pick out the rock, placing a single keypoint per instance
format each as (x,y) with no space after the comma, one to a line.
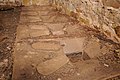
(56,28)
(74,45)
(34,18)
(22,32)
(23,19)
(46,46)
(54,64)
(44,12)
(72,29)
(41,27)
(38,30)
(58,32)
(92,49)
(117,30)
(112,3)
(29,13)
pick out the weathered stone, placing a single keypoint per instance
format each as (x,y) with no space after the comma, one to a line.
(74,45)
(46,46)
(93,49)
(43,12)
(34,18)
(22,32)
(29,13)
(38,27)
(117,30)
(56,28)
(38,30)
(54,64)
(112,3)
(23,19)
(72,29)
(37,33)
(41,2)
(47,18)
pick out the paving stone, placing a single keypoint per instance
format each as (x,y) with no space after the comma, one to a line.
(23,19)
(72,29)
(74,45)
(56,28)
(48,18)
(22,32)
(58,32)
(43,12)
(61,18)
(29,13)
(54,64)
(34,18)
(46,46)
(39,27)
(38,30)
(93,49)
(37,33)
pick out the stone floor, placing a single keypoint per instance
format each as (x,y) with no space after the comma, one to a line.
(44,38)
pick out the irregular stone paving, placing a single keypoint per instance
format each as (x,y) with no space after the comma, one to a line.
(46,55)
(43,39)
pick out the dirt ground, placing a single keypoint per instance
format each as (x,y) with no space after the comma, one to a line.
(106,66)
(8,24)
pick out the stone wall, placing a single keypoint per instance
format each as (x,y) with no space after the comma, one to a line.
(23,2)
(101,14)
(35,2)
(10,2)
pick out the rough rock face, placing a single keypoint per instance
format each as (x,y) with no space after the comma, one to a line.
(103,15)
(112,3)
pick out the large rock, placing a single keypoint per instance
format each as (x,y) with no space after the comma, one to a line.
(50,66)
(92,49)
(38,30)
(56,28)
(74,45)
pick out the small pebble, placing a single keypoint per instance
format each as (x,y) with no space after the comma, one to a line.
(78,74)
(106,65)
(59,79)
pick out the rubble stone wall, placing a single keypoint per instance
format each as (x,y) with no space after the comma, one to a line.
(101,14)
(10,3)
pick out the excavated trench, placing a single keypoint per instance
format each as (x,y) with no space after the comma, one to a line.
(37,36)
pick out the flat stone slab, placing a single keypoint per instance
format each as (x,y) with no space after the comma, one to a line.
(46,46)
(34,18)
(93,49)
(50,66)
(22,32)
(37,33)
(74,45)
(38,30)
(56,28)
(29,13)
